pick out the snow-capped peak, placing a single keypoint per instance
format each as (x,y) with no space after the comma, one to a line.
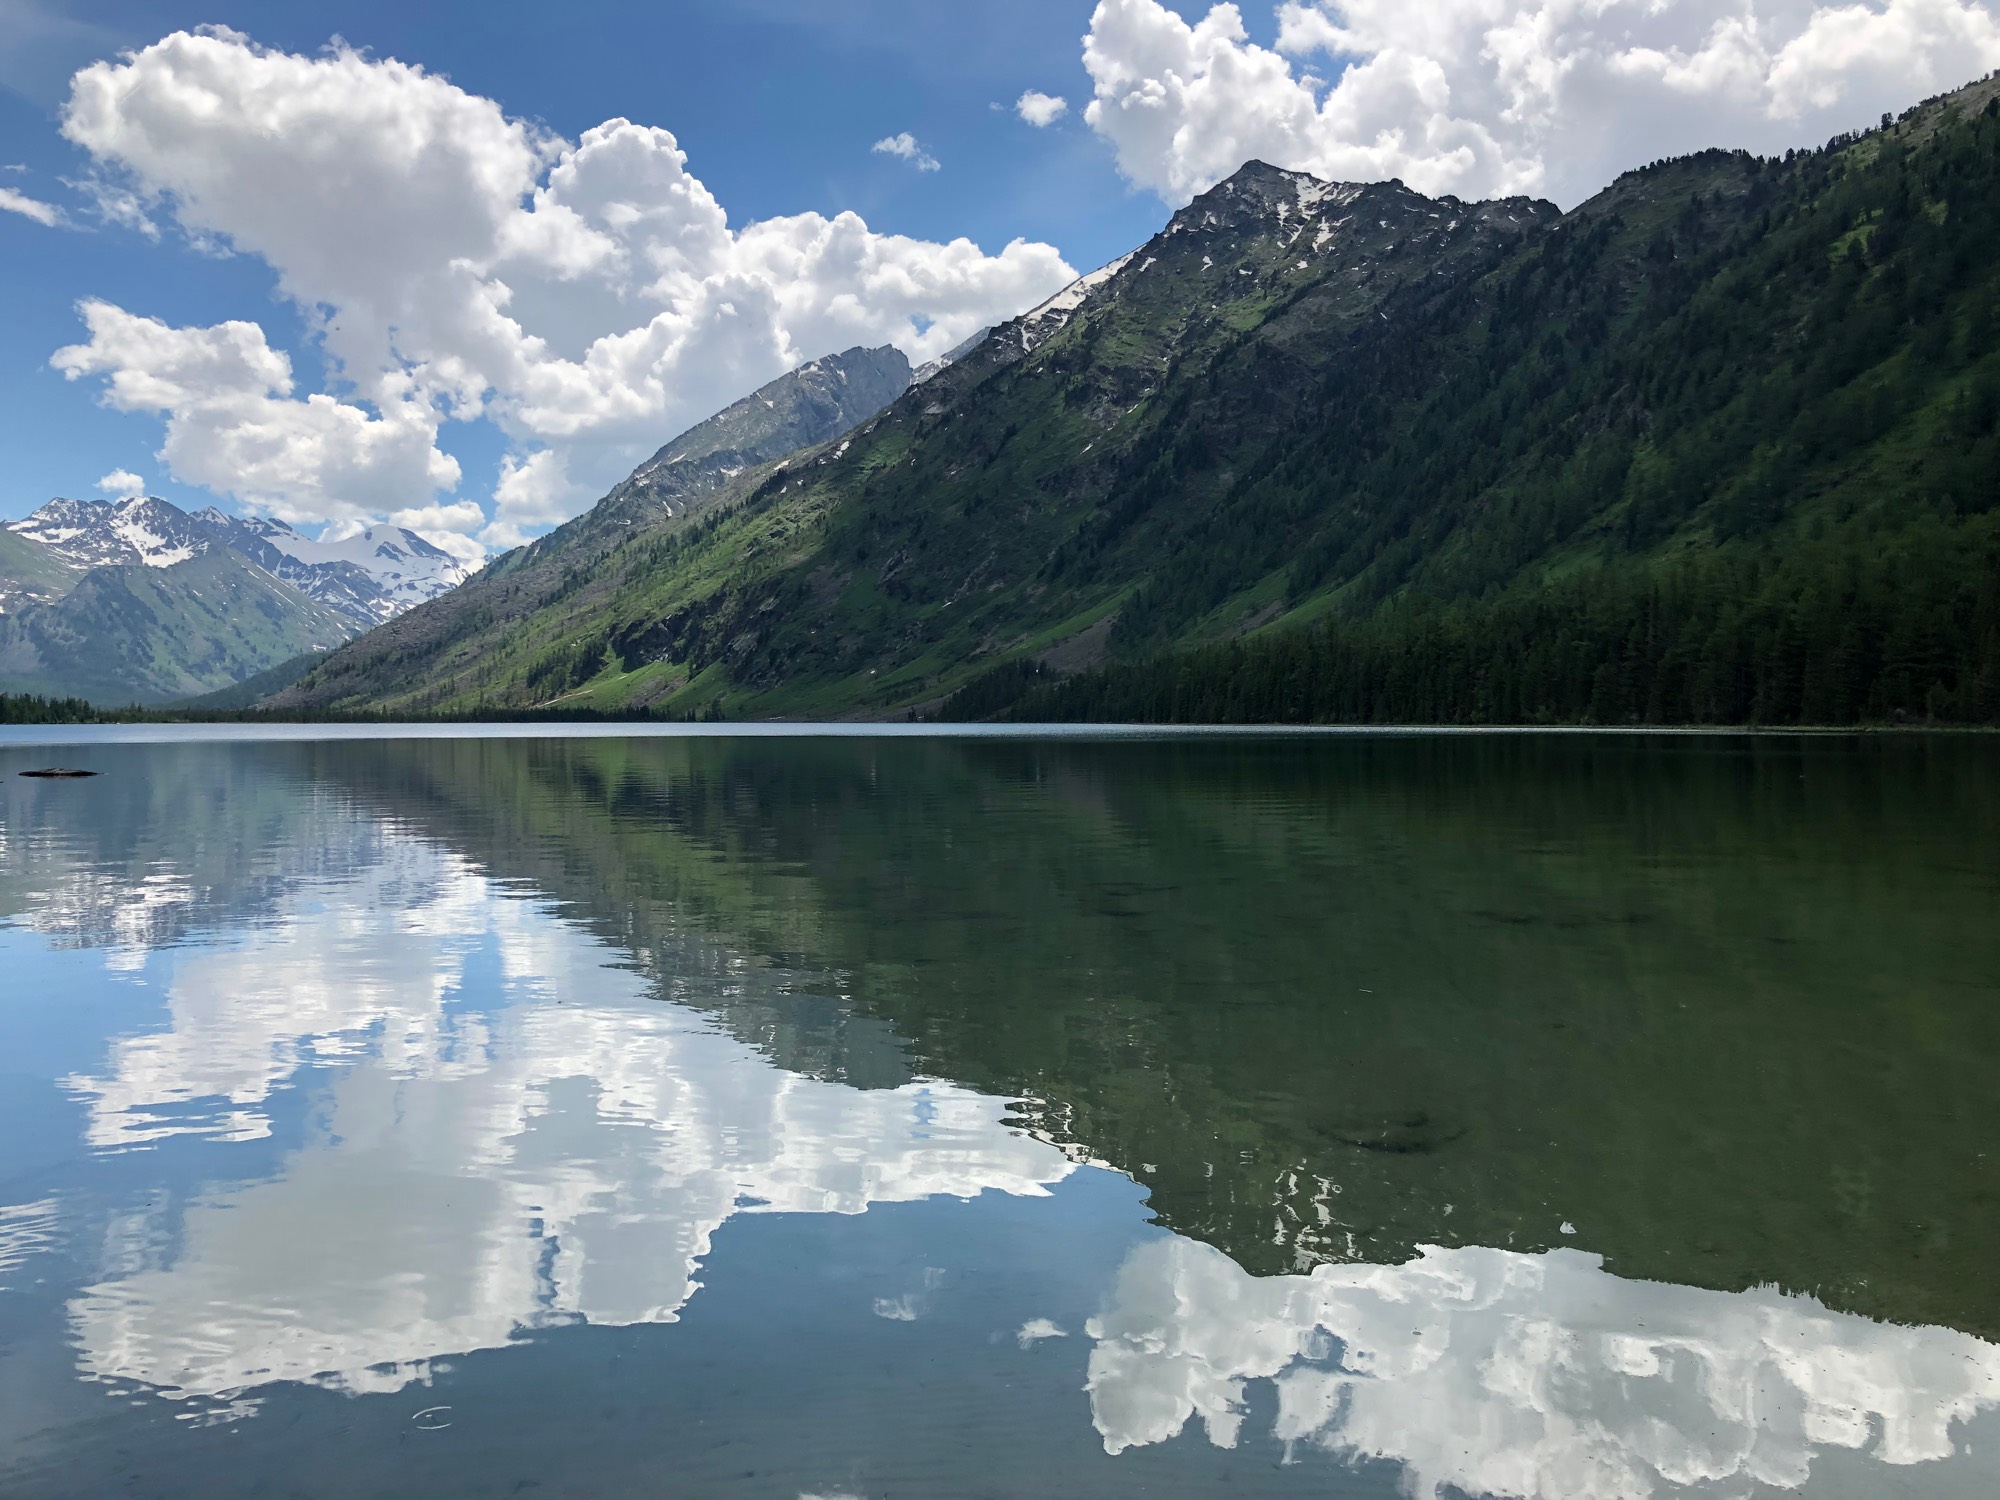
(387,568)
(138,532)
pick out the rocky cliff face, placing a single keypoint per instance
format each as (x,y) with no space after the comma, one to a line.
(139,532)
(30,574)
(811,405)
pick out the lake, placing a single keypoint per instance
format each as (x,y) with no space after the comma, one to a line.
(862,1114)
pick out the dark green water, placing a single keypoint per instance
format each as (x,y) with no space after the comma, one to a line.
(1535,1116)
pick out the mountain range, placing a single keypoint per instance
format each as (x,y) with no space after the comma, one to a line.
(139,601)
(1721,444)
(1716,446)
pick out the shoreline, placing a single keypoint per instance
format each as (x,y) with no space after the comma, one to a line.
(306,731)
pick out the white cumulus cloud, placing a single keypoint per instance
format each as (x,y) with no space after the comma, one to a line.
(1489,97)
(234,426)
(122,484)
(907,147)
(13,201)
(450,527)
(1041,110)
(590,297)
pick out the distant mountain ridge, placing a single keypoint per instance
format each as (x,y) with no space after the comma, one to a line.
(367,578)
(815,402)
(140,601)
(137,532)
(1015,416)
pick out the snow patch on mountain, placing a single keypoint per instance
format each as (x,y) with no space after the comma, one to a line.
(949,358)
(140,532)
(1046,320)
(372,575)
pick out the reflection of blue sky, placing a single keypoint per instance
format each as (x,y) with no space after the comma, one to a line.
(565,1153)
(1539,1376)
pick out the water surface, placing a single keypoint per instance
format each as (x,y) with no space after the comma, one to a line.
(1554,1117)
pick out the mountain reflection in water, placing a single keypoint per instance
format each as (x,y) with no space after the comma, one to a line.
(377,1067)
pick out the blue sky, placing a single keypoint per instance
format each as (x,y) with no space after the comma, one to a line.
(776,105)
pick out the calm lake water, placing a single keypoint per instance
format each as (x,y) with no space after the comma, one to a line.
(1555,1117)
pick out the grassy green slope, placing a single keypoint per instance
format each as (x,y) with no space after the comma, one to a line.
(150,635)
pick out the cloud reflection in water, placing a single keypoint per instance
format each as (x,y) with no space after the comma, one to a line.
(1538,1376)
(470,1173)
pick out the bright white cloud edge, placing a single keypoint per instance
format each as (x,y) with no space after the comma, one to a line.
(14,201)
(122,484)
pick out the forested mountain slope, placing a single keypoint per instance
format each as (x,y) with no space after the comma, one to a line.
(1717,446)
(149,635)
(830,584)
(1756,479)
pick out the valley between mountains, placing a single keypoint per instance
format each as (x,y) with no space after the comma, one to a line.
(1721,445)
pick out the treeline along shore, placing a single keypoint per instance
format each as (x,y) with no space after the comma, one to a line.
(1842,635)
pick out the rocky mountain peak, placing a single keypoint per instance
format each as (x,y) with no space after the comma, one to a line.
(142,531)
(1259,195)
(810,405)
